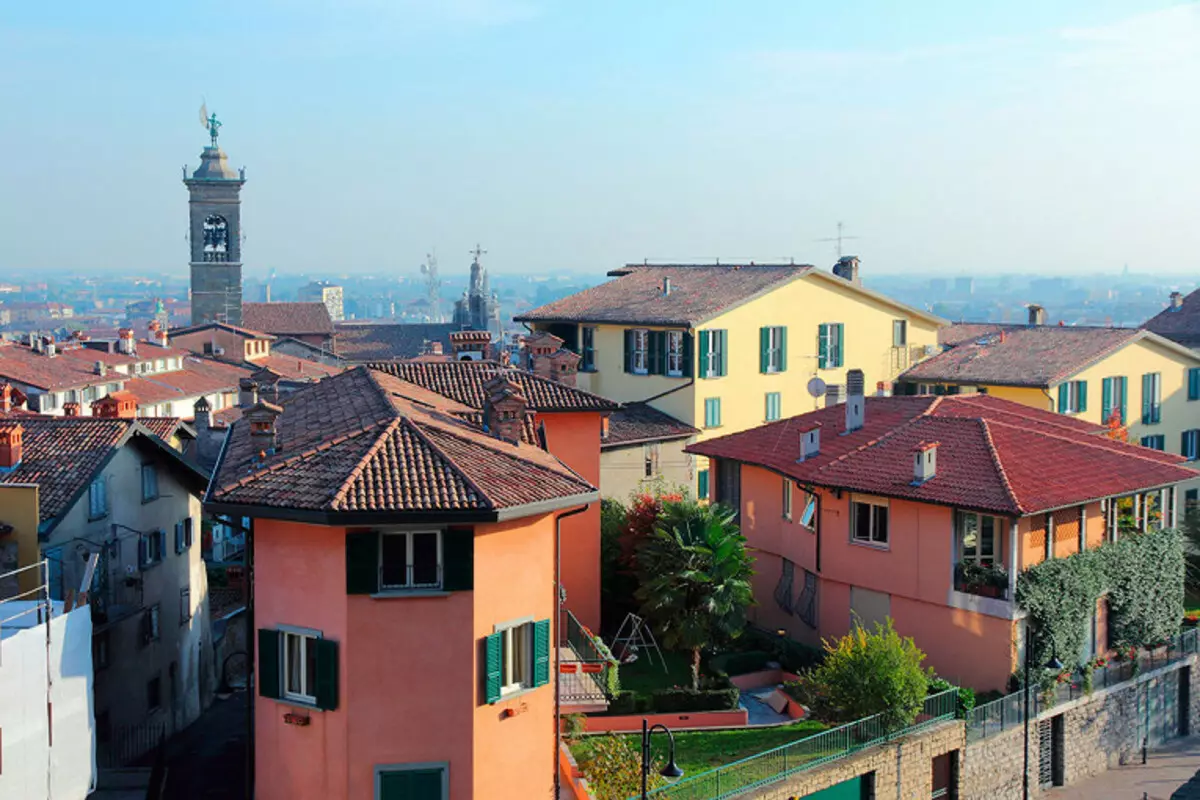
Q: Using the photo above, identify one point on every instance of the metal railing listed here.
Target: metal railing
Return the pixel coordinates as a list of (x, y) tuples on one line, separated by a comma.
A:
[(837, 743), (409, 576), (128, 744), (591, 660), (989, 719)]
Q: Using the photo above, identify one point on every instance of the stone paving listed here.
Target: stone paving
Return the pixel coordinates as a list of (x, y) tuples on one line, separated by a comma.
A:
[(1170, 773)]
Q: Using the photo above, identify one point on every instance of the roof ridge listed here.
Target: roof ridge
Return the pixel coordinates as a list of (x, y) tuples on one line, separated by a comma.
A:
[(1134, 335), (1000, 470), (1093, 441), (380, 441)]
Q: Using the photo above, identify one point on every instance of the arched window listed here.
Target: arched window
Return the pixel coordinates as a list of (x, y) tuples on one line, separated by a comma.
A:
[(216, 238)]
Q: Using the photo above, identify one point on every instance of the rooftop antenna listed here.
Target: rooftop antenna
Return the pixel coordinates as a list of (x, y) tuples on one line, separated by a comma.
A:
[(839, 239), (433, 285)]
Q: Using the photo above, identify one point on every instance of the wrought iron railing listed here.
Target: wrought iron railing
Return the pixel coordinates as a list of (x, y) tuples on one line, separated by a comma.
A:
[(989, 719), (598, 664), (773, 765)]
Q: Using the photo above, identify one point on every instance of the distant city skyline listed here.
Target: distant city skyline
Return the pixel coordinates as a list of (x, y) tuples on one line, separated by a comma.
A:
[(971, 139)]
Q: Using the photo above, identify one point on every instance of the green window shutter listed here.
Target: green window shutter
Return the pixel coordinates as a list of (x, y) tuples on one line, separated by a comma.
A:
[(841, 345), (327, 673), (362, 562), (1062, 398), (1124, 397), (411, 784), (702, 485), (823, 346), (1082, 395), (1146, 400), (658, 352), (458, 560), (268, 663), (1194, 383), (705, 349), (493, 658), (783, 348), (541, 652), (689, 355), (723, 343), (628, 350), (1106, 399), (764, 349)]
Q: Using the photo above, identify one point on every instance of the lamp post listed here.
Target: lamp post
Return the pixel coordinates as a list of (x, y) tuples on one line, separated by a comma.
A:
[(1052, 664), (671, 771)]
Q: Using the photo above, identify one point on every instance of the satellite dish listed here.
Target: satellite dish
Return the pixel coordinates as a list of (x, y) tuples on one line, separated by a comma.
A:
[(816, 387)]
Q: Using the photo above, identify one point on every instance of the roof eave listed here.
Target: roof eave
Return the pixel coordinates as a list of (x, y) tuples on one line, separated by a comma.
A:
[(670, 437)]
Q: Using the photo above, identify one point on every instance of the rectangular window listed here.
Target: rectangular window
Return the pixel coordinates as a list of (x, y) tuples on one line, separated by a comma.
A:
[(187, 534), (674, 353), (185, 605), (774, 406), (639, 352), (417, 782), (787, 499), (178, 538), (712, 412), (1191, 500), (978, 537), (98, 498), (1114, 394), (410, 560), (714, 346), (1151, 398), (773, 349), (151, 548), (154, 693), (899, 333), (1193, 383), (1190, 447), (1155, 442), (831, 340), (650, 459), (150, 624), (808, 516), (588, 348), (869, 520), (1072, 397), (702, 484), (299, 659), (517, 665)]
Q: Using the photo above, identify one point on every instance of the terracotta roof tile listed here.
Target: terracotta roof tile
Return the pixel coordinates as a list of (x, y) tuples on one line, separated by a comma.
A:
[(199, 376), (362, 342), (463, 382), (639, 422), (993, 454), (294, 369), (288, 319)]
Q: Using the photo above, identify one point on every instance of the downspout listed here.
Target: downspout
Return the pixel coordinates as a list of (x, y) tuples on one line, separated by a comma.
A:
[(251, 644), (557, 633)]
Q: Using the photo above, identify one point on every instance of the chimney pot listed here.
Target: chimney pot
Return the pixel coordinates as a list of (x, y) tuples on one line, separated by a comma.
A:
[(847, 269), (1037, 314), (810, 440), (202, 415), (70, 409), (924, 462), (263, 418), (247, 393), (10, 446), (666, 286), (6, 398), (1176, 301), (504, 408), (101, 369)]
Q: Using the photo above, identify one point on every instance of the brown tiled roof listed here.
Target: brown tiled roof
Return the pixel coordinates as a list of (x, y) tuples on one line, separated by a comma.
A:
[(288, 319), (67, 371), (199, 376), (245, 333), (463, 381), (163, 427), (362, 342), (698, 293), (349, 444), (294, 369), (1038, 356), (993, 454), (1179, 324), (638, 422)]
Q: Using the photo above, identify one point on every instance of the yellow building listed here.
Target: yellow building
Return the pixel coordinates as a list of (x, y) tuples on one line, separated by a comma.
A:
[(727, 348), (1149, 383)]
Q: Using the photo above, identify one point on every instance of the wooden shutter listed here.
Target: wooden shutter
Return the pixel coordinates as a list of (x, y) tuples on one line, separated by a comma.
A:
[(541, 652), (723, 343), (705, 349), (326, 690), (1062, 398), (1082, 399), (783, 348), (1146, 404), (656, 364), (628, 350), (1194, 383), (823, 346), (411, 784), (689, 355), (268, 663), (493, 659), (143, 551), (362, 562), (1124, 397), (458, 560), (702, 484), (764, 349), (840, 355), (1106, 399)]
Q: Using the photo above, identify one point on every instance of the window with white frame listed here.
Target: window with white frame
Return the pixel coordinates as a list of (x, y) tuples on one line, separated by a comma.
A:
[(410, 560), (787, 499), (809, 514), (773, 339), (774, 406), (517, 653), (675, 353), (151, 548), (299, 663), (899, 333), (869, 520), (588, 348), (640, 352), (149, 483), (979, 538), (650, 459), (1072, 397), (98, 498)]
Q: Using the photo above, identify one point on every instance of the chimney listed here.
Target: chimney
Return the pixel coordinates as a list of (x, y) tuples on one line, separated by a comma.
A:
[(666, 286), (101, 370), (10, 446), (810, 440), (1037, 314), (503, 408), (33, 341), (202, 419), (7, 402), (48, 346), (160, 337), (125, 341), (432, 348), (847, 269), (263, 418), (604, 428), (856, 403), (924, 462), (70, 409), (834, 393), (247, 393), (1176, 301)]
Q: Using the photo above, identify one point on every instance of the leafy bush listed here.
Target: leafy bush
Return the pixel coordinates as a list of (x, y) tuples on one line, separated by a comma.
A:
[(573, 726), (670, 701), (740, 663), (624, 703), (966, 699), (874, 672), (613, 768)]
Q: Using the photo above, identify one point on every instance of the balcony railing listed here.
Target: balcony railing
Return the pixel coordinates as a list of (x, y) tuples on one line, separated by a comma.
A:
[(981, 580), (592, 657)]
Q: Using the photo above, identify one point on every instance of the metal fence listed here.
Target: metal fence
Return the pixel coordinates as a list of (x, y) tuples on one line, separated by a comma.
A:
[(125, 746), (774, 765), (591, 660), (989, 719)]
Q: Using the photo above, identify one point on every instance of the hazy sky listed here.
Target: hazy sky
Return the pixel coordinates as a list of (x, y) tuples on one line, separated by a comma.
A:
[(956, 136)]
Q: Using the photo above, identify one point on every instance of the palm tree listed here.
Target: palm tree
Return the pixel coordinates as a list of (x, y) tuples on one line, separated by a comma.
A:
[(695, 578)]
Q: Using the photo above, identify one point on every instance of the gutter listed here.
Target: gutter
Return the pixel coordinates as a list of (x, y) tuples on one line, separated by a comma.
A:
[(557, 622)]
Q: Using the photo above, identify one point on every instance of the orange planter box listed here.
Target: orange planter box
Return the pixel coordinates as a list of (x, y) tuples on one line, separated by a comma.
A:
[(568, 668), (593, 668)]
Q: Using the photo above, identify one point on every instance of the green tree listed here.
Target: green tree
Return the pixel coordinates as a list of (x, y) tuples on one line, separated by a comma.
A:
[(613, 768), (694, 576), (873, 672)]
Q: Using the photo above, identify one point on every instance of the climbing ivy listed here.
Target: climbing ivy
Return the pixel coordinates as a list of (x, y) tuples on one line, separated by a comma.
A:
[(1143, 574)]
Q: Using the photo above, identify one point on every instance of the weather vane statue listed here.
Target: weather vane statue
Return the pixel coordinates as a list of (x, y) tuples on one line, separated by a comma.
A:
[(210, 122)]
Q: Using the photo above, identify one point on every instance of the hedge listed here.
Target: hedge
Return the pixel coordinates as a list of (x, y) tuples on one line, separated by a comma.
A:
[(667, 701)]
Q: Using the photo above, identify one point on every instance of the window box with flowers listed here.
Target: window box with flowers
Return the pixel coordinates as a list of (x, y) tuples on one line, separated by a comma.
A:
[(983, 579)]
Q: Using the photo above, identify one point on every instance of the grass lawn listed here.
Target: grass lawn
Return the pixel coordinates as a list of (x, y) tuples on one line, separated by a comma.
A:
[(700, 751), (643, 677)]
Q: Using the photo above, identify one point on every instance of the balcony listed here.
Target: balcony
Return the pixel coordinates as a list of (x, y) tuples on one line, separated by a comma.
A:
[(982, 580), (587, 668)]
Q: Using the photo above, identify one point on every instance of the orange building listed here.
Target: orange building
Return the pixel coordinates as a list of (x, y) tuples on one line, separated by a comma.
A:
[(406, 595), (924, 509)]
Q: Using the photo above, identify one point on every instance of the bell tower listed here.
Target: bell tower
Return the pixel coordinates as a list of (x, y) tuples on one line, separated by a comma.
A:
[(214, 206)]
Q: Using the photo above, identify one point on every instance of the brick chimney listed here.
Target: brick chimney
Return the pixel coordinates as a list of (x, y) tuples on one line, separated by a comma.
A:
[(120, 404), (847, 269), (504, 408), (10, 446), (70, 409), (7, 403), (202, 419), (1037, 314), (126, 344), (432, 349), (263, 418), (810, 440), (471, 345), (924, 462), (1176, 301), (247, 393)]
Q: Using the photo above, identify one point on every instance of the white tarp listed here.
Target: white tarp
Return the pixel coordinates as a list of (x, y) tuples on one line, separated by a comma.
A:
[(31, 767)]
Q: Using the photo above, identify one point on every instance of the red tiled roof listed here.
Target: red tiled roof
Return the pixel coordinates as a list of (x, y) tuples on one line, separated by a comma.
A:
[(1038, 356), (639, 422), (245, 333), (463, 381), (288, 319), (162, 427), (349, 444), (199, 376), (295, 369), (698, 293), (362, 342), (1179, 324), (994, 454)]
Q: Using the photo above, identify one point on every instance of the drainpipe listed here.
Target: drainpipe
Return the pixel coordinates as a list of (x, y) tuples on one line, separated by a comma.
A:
[(557, 623)]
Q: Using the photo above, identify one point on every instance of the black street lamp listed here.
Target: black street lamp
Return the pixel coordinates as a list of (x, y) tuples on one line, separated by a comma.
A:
[(1054, 665), (671, 771)]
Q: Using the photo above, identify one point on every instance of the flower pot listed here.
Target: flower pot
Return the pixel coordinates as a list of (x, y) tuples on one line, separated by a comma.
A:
[(568, 668), (592, 669)]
